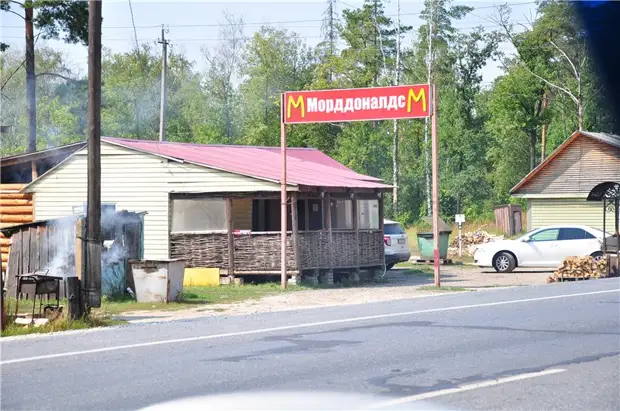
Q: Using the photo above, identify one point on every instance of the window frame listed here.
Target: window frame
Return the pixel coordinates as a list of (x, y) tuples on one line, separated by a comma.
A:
[(219, 200)]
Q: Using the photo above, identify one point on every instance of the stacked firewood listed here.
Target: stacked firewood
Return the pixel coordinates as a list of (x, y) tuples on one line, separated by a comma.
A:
[(473, 238), (579, 268)]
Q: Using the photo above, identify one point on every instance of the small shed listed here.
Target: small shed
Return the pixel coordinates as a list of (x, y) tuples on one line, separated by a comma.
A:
[(556, 190), (56, 246), (509, 219)]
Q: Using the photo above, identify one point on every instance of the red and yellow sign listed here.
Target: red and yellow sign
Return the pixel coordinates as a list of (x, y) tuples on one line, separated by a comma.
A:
[(359, 104)]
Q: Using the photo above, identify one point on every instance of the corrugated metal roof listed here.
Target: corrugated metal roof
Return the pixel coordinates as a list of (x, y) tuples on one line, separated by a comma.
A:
[(305, 166)]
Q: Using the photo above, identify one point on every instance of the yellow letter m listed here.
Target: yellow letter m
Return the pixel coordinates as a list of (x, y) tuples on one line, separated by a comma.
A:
[(416, 99), (296, 104)]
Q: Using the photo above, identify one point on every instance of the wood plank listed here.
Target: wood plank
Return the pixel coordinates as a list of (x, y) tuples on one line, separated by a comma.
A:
[(231, 241), (5, 242), (9, 218), (16, 196), (14, 263), (43, 247), (17, 209), (356, 229), (295, 228), (9, 202), (26, 251), (328, 224), (34, 249), (11, 187)]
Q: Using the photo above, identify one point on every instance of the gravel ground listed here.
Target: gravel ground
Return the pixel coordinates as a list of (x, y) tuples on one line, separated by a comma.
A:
[(399, 284)]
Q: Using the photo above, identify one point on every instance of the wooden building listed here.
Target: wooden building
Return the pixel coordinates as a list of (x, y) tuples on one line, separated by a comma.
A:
[(557, 189), (218, 206)]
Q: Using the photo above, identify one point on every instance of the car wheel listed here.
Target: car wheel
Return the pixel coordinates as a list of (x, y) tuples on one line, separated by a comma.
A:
[(389, 266), (597, 255), (504, 262)]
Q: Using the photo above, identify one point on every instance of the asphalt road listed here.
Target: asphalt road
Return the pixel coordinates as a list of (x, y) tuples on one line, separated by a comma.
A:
[(545, 347)]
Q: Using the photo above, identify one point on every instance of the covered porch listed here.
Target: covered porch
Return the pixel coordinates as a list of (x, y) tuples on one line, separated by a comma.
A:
[(329, 230)]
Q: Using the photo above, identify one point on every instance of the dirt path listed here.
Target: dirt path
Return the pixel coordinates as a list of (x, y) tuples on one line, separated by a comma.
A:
[(400, 284)]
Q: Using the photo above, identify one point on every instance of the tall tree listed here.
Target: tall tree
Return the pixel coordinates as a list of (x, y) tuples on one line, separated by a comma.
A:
[(224, 64), (276, 61), (52, 18)]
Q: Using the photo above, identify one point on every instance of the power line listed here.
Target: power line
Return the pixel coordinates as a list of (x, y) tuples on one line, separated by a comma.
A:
[(267, 23)]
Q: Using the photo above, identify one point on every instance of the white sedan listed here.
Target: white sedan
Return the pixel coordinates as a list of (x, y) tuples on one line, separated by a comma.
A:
[(543, 247)]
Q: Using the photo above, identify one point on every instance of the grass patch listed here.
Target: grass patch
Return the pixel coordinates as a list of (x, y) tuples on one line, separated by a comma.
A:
[(61, 324), (426, 273), (444, 289), (194, 296)]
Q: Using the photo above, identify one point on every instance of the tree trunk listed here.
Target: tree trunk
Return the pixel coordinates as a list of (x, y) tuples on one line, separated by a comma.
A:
[(579, 105), (543, 137), (31, 82), (533, 139), (395, 175)]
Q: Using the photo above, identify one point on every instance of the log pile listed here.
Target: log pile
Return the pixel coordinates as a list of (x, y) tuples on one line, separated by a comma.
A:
[(579, 268), (471, 241), (15, 208)]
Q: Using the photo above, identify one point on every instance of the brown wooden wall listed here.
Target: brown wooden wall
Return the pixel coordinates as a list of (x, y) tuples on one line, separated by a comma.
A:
[(15, 208), (583, 164)]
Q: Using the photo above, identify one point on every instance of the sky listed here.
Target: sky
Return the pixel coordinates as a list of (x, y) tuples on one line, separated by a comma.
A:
[(193, 25)]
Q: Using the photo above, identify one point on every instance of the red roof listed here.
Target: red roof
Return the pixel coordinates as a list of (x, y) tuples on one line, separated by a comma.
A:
[(305, 166)]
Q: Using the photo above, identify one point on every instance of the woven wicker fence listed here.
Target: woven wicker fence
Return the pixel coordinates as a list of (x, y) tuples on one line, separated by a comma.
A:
[(261, 251)]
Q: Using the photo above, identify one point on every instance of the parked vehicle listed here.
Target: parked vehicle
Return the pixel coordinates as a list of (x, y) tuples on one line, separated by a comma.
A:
[(396, 244), (543, 247)]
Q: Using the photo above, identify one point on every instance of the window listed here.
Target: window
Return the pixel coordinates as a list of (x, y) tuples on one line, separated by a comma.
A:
[(368, 214), (546, 235), (392, 229), (342, 214), (204, 214), (574, 234)]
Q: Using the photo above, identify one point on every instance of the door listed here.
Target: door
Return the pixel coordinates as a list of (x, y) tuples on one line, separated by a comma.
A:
[(542, 249), (576, 242)]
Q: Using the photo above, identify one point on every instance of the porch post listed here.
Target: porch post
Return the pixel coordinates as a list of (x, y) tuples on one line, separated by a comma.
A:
[(231, 243), (355, 277), (328, 277), (294, 223)]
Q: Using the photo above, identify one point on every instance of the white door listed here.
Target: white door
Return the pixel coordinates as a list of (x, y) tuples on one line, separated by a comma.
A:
[(542, 249)]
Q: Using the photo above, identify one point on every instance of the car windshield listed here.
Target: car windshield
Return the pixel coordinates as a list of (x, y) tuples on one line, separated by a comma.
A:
[(393, 229)]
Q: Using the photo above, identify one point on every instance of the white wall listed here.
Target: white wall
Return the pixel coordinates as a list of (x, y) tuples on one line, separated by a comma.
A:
[(134, 181)]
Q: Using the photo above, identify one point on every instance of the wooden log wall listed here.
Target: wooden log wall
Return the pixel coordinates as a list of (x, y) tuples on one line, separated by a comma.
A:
[(15, 208)]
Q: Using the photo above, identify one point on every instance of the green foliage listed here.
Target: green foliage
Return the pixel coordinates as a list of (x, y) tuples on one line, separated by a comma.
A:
[(489, 137)]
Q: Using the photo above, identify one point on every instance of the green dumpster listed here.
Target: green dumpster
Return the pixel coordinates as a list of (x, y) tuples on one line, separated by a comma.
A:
[(426, 243)]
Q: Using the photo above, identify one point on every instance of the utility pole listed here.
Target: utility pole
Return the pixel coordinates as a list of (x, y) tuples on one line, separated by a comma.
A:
[(92, 274), (31, 80), (429, 66), (164, 74), (395, 137)]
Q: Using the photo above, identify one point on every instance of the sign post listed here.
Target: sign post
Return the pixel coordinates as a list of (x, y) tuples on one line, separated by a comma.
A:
[(360, 104), (460, 219)]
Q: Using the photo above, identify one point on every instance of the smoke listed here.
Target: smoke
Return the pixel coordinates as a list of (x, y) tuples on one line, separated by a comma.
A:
[(114, 250), (61, 242)]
